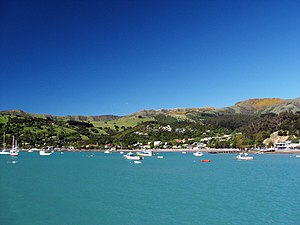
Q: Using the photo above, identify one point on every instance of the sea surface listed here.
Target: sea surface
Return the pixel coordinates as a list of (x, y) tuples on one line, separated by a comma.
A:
[(90, 188)]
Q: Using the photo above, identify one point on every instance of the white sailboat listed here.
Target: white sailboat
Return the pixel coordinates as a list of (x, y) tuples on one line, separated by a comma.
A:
[(244, 156), (44, 153), (4, 152), (13, 151), (198, 154), (131, 156), (145, 153)]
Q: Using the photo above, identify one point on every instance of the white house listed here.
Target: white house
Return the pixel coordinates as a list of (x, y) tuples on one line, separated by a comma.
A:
[(157, 143), (287, 145)]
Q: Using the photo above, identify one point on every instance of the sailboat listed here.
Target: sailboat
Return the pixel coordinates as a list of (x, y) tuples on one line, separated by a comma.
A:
[(13, 151), (43, 152), (4, 152), (145, 153), (198, 154), (244, 156)]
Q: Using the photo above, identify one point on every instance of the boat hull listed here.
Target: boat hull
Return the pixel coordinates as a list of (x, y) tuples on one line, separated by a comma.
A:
[(198, 154), (45, 153), (133, 157), (148, 153), (244, 158), (4, 153), (14, 153)]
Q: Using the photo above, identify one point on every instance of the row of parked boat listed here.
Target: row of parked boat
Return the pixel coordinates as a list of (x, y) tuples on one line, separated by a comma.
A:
[(140, 156), (14, 152), (130, 156)]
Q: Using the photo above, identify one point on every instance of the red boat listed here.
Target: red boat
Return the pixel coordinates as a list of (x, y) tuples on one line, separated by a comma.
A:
[(205, 160)]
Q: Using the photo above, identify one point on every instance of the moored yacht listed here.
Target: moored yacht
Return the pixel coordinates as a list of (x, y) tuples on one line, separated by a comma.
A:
[(131, 156), (198, 154), (4, 152), (244, 156), (43, 152), (144, 153), (13, 151)]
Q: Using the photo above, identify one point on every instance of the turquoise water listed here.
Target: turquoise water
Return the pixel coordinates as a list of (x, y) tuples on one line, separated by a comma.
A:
[(75, 188)]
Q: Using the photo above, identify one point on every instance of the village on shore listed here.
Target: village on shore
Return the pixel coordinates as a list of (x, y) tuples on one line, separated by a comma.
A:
[(285, 147)]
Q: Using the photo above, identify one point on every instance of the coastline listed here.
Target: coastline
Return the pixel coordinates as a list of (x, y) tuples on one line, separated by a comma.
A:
[(210, 151)]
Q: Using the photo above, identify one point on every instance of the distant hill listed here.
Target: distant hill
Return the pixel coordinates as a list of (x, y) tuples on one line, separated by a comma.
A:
[(266, 105), (247, 107), (48, 116), (178, 113)]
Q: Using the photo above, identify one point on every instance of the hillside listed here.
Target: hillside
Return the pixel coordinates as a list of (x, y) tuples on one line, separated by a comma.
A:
[(267, 105), (250, 106), (247, 123), (45, 116)]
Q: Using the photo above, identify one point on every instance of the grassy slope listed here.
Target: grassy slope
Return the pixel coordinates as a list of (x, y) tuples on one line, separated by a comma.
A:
[(3, 119), (129, 121)]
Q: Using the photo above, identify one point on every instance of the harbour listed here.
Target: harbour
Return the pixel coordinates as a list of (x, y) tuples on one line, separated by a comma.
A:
[(99, 188)]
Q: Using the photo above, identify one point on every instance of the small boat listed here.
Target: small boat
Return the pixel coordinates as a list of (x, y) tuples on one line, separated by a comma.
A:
[(205, 160), (198, 154), (13, 151), (298, 156), (4, 152), (244, 156), (122, 153), (183, 152), (144, 153), (44, 153), (137, 162), (160, 157), (106, 152), (131, 156)]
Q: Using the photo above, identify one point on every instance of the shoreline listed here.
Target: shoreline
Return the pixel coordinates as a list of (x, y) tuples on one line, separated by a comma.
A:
[(210, 151)]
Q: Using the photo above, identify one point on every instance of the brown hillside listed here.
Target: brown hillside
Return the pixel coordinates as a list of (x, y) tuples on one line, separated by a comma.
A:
[(259, 104)]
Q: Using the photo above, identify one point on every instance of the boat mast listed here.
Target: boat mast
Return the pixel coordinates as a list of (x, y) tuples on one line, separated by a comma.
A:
[(3, 141), (13, 143)]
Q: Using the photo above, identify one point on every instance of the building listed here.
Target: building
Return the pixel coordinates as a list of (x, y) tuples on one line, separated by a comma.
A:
[(287, 145)]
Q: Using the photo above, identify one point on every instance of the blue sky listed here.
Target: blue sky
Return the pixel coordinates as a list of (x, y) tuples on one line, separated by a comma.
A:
[(118, 57)]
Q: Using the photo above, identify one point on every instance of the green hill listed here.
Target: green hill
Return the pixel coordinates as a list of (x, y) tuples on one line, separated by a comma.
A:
[(253, 119)]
